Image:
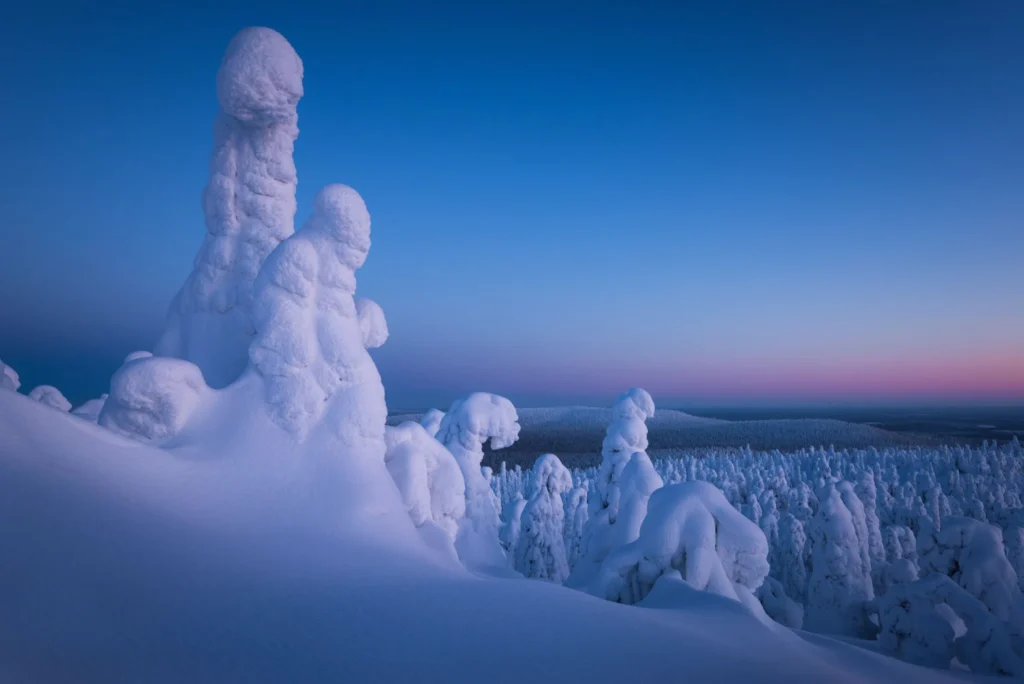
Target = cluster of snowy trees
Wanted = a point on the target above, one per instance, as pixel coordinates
(920, 548)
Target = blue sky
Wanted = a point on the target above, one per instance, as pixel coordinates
(726, 202)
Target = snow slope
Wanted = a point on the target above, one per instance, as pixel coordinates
(123, 563)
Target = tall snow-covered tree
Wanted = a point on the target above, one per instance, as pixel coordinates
(540, 549)
(468, 424)
(626, 435)
(248, 203)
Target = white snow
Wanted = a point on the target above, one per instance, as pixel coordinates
(270, 527)
(9, 379)
(372, 323)
(47, 395)
(468, 424)
(91, 409)
(309, 345)
(249, 204)
(152, 398)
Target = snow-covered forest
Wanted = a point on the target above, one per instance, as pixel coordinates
(237, 508)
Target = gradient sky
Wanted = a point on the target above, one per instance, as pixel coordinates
(723, 203)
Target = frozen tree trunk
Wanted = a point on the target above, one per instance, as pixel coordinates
(248, 203)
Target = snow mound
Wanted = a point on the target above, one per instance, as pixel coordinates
(48, 395)
(152, 398)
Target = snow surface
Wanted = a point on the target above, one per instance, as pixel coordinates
(124, 562)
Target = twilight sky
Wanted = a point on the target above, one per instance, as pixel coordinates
(730, 203)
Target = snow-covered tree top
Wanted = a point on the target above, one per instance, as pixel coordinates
(549, 474)
(260, 77)
(479, 417)
(9, 378)
(50, 396)
(634, 404)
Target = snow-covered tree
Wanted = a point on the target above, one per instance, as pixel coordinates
(575, 520)
(691, 529)
(48, 395)
(626, 435)
(540, 549)
(427, 477)
(309, 344)
(152, 398)
(248, 203)
(468, 424)
(971, 553)
(431, 421)
(91, 409)
(511, 522)
(778, 606)
(839, 584)
(9, 379)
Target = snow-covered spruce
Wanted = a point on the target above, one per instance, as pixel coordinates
(971, 553)
(511, 521)
(840, 584)
(468, 424)
(152, 398)
(9, 379)
(932, 620)
(431, 421)
(427, 477)
(309, 344)
(50, 396)
(91, 409)
(540, 547)
(692, 529)
(248, 203)
(626, 435)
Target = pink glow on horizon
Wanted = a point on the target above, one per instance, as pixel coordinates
(996, 378)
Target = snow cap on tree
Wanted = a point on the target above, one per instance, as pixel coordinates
(50, 396)
(9, 379)
(431, 421)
